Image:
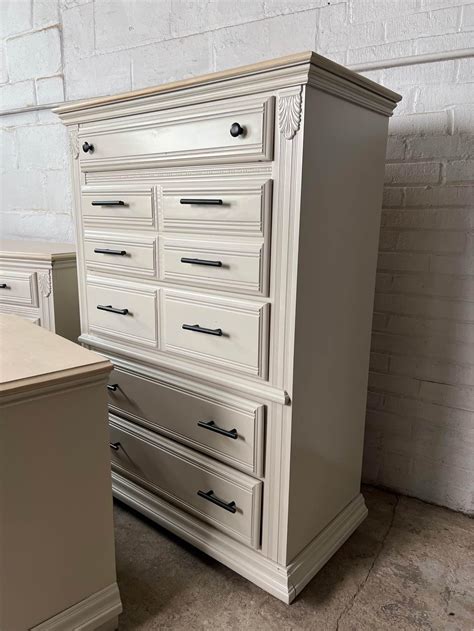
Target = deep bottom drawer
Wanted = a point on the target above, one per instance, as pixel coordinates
(230, 430)
(228, 500)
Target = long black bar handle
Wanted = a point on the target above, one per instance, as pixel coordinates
(112, 309)
(3, 286)
(107, 251)
(115, 446)
(112, 386)
(184, 259)
(202, 329)
(210, 497)
(230, 433)
(203, 202)
(108, 202)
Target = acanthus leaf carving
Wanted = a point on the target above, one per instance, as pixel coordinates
(44, 283)
(74, 143)
(289, 114)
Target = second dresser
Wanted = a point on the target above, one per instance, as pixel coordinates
(228, 229)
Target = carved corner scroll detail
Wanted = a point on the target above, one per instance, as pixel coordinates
(74, 143)
(289, 114)
(44, 282)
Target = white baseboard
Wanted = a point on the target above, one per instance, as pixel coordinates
(283, 582)
(98, 612)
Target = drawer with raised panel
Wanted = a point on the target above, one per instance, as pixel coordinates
(227, 333)
(228, 266)
(124, 254)
(231, 130)
(238, 207)
(223, 497)
(119, 206)
(18, 288)
(226, 427)
(124, 312)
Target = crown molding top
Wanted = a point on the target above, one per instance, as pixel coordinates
(300, 68)
(37, 251)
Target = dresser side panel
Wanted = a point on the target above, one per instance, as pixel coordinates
(66, 302)
(343, 167)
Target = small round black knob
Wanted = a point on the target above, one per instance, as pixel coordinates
(86, 147)
(236, 130)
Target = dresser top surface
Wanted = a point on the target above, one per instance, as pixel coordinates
(310, 60)
(31, 356)
(37, 250)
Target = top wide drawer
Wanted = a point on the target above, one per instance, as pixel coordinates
(233, 130)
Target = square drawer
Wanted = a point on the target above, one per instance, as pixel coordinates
(18, 288)
(124, 254)
(227, 499)
(228, 266)
(229, 429)
(119, 205)
(227, 333)
(217, 206)
(124, 312)
(231, 130)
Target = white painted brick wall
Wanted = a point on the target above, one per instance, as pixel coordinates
(420, 420)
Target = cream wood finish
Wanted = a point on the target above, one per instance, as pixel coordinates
(178, 473)
(201, 133)
(56, 527)
(241, 347)
(241, 265)
(245, 207)
(138, 325)
(38, 281)
(138, 254)
(297, 228)
(179, 412)
(137, 208)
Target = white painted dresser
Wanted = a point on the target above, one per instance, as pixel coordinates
(228, 229)
(38, 281)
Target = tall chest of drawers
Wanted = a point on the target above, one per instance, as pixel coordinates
(227, 242)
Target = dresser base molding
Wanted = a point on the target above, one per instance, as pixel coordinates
(285, 583)
(98, 612)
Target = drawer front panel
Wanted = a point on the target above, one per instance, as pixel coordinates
(18, 288)
(179, 474)
(241, 344)
(191, 134)
(121, 206)
(127, 255)
(225, 266)
(177, 413)
(242, 207)
(136, 326)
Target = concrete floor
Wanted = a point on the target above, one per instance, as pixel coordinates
(408, 566)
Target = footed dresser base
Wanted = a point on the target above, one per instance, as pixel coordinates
(285, 583)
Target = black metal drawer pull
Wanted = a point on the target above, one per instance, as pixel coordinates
(230, 433)
(112, 386)
(86, 147)
(3, 286)
(115, 446)
(205, 202)
(202, 329)
(112, 309)
(107, 251)
(201, 262)
(108, 202)
(230, 506)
